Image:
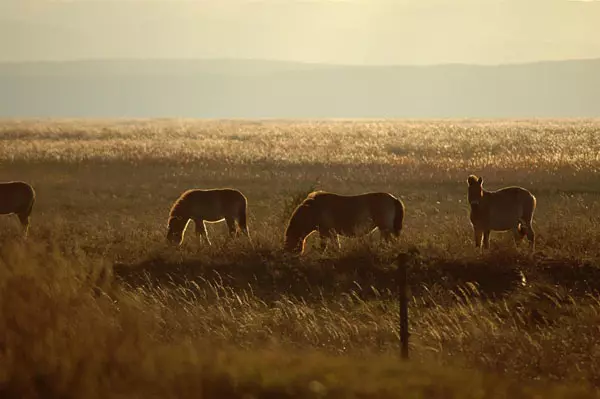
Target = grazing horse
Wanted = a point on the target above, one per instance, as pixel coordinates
(17, 197)
(510, 208)
(211, 206)
(349, 215)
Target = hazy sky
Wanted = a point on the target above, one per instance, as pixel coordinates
(331, 31)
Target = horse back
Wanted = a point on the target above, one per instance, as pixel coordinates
(349, 213)
(212, 204)
(513, 195)
(504, 208)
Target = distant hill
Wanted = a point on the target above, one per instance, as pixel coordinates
(254, 89)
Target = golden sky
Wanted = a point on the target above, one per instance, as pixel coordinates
(325, 31)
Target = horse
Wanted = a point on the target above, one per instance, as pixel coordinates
(332, 215)
(211, 205)
(509, 208)
(17, 197)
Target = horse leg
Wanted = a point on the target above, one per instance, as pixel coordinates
(531, 237)
(478, 235)
(387, 236)
(242, 222)
(336, 241)
(243, 227)
(323, 243)
(328, 236)
(24, 219)
(518, 234)
(244, 230)
(201, 231)
(486, 239)
(233, 231)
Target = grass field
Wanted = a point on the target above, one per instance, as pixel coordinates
(94, 303)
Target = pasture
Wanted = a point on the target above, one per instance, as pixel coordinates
(95, 303)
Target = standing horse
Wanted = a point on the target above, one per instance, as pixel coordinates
(17, 197)
(349, 215)
(509, 208)
(211, 206)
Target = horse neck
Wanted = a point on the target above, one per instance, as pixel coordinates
(301, 227)
(485, 194)
(172, 219)
(177, 211)
(476, 210)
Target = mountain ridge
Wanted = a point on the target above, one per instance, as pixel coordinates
(251, 88)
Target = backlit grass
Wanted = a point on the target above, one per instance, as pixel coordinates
(95, 304)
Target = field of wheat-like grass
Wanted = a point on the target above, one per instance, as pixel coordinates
(95, 304)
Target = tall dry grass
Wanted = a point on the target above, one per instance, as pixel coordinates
(68, 332)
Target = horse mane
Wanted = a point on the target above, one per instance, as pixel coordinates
(305, 204)
(297, 222)
(313, 195)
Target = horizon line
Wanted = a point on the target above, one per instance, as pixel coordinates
(283, 61)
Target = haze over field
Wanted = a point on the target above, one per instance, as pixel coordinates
(206, 58)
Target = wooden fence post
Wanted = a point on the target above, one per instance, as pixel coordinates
(403, 302)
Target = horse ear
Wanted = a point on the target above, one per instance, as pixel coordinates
(480, 181)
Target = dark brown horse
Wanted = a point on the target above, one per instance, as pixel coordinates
(17, 197)
(349, 215)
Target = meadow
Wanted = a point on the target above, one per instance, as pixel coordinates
(95, 304)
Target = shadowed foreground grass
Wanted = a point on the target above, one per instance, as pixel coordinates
(64, 335)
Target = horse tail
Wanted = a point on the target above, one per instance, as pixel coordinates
(31, 202)
(398, 215)
(243, 218)
(531, 209)
(25, 213)
(526, 219)
(527, 215)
